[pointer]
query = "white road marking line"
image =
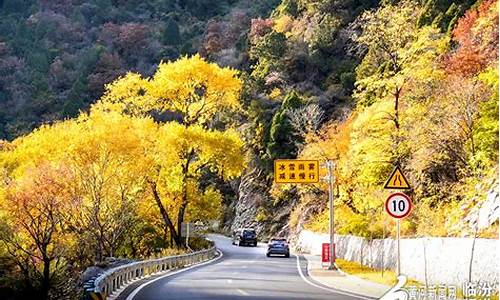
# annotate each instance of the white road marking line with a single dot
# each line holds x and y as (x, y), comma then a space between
(134, 292)
(243, 292)
(324, 288)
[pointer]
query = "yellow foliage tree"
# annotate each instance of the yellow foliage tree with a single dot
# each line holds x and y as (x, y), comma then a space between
(195, 91)
(182, 155)
(38, 212)
(105, 152)
(190, 87)
(398, 51)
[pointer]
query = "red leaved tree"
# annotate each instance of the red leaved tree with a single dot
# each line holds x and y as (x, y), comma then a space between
(477, 37)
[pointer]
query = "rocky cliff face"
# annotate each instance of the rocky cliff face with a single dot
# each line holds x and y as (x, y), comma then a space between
(249, 196)
(484, 210)
(256, 208)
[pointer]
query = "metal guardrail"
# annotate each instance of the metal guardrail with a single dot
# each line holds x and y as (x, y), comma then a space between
(113, 279)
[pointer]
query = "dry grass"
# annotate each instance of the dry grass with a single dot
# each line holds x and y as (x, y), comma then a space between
(386, 277)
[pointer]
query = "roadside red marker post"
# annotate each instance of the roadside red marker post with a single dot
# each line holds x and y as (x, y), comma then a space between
(326, 254)
(398, 206)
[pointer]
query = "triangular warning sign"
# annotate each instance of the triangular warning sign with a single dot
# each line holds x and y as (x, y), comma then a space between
(397, 180)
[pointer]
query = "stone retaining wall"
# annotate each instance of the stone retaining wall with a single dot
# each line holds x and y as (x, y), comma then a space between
(442, 260)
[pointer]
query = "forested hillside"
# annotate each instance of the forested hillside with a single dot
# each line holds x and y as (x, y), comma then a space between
(372, 85)
(428, 101)
(56, 56)
(120, 120)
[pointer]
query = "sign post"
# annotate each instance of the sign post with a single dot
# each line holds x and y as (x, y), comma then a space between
(329, 164)
(398, 206)
(307, 171)
(326, 254)
(187, 235)
(398, 229)
(189, 229)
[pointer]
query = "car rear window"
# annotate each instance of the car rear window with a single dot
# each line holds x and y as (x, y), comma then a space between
(248, 231)
(278, 241)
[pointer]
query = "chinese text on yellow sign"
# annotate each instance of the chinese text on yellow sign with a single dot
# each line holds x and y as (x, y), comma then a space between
(296, 171)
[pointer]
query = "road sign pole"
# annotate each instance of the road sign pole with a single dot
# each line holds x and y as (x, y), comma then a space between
(329, 164)
(187, 235)
(398, 206)
(399, 253)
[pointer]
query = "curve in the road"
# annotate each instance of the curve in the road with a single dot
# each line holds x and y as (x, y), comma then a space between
(321, 286)
(138, 289)
(240, 273)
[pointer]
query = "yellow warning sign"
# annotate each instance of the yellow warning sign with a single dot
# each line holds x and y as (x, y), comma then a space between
(296, 171)
(397, 180)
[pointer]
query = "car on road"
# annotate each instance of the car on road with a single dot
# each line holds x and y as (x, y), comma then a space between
(245, 236)
(278, 246)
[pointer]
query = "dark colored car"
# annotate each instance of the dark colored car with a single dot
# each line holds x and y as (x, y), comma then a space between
(246, 236)
(278, 246)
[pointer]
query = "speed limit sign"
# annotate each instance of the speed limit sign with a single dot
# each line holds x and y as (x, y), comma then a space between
(398, 205)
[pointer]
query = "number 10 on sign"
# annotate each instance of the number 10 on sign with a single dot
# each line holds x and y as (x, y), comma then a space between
(398, 205)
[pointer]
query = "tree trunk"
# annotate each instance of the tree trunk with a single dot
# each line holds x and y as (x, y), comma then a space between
(45, 285)
(397, 94)
(396, 107)
(184, 203)
(168, 222)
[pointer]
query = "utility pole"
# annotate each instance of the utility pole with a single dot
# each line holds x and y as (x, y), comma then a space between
(329, 165)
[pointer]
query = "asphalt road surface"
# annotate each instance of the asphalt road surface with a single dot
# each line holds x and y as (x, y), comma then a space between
(241, 273)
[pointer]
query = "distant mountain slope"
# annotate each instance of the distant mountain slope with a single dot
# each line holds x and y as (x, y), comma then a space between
(56, 56)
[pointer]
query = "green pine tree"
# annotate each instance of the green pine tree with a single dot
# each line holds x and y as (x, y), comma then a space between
(171, 34)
